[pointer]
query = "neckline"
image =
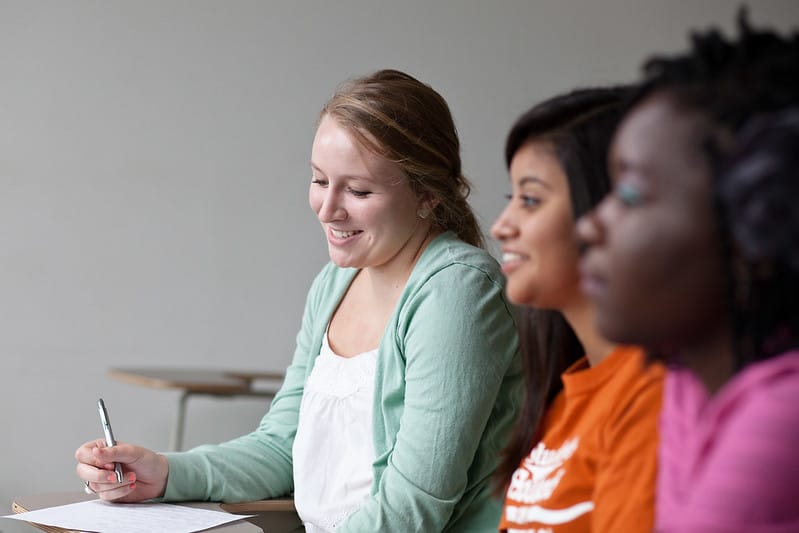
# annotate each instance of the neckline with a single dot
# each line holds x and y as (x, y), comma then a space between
(326, 348)
(581, 378)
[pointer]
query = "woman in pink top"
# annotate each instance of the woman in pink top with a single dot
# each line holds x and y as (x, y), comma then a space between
(695, 255)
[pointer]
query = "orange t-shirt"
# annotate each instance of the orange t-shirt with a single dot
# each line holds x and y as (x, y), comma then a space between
(595, 467)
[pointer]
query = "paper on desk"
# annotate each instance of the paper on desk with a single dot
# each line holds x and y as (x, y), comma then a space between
(101, 516)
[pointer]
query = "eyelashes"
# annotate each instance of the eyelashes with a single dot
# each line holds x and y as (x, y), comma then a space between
(356, 193)
(526, 200)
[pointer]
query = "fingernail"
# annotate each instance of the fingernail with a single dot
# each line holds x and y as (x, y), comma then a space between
(111, 477)
(132, 486)
(132, 477)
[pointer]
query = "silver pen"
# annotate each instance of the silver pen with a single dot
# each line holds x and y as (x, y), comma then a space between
(109, 436)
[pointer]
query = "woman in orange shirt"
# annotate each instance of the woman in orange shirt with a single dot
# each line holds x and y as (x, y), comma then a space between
(583, 453)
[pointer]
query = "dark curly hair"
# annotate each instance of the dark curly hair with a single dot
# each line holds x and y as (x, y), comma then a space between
(736, 84)
(758, 189)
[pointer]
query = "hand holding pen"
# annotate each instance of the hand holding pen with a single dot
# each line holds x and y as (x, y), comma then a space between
(109, 436)
(145, 472)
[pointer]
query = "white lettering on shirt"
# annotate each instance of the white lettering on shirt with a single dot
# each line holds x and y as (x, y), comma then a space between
(535, 480)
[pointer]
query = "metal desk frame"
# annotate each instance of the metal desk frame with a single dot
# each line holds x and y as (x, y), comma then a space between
(198, 382)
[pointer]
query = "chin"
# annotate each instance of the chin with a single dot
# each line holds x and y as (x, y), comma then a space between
(349, 263)
(344, 264)
(341, 262)
(616, 329)
(519, 296)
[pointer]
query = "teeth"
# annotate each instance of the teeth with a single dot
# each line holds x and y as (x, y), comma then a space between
(342, 234)
(507, 257)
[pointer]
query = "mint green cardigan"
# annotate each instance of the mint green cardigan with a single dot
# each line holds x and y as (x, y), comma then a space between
(447, 391)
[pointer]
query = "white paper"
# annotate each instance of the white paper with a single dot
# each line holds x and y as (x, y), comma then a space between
(101, 516)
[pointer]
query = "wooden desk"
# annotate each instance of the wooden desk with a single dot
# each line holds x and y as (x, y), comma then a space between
(278, 505)
(273, 516)
(194, 382)
(40, 501)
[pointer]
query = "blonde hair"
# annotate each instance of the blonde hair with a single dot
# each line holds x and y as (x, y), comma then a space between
(407, 122)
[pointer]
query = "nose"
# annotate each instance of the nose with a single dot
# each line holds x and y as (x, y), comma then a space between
(503, 227)
(590, 227)
(331, 208)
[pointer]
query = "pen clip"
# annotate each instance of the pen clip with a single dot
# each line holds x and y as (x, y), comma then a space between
(106, 423)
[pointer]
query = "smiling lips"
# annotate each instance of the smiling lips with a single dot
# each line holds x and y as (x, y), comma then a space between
(591, 284)
(510, 260)
(509, 257)
(343, 234)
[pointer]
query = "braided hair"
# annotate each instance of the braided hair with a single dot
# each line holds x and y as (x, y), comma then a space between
(757, 187)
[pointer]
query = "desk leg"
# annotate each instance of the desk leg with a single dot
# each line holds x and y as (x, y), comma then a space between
(180, 422)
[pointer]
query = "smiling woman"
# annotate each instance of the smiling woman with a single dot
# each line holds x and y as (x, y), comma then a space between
(583, 454)
(406, 376)
(365, 204)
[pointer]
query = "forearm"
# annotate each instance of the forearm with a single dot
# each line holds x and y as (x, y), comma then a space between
(251, 467)
(248, 468)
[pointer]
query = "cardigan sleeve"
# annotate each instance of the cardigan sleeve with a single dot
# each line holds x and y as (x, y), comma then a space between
(258, 465)
(458, 339)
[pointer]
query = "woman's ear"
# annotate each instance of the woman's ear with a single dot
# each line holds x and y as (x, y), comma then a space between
(427, 206)
(430, 203)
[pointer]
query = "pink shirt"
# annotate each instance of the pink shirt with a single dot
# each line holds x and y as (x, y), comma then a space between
(730, 462)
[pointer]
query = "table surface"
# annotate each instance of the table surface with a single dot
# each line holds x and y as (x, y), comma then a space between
(199, 380)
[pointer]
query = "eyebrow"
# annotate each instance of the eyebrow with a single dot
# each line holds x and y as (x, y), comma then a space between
(619, 164)
(316, 168)
(367, 178)
(533, 179)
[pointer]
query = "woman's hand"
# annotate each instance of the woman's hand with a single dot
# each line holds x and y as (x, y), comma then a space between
(145, 472)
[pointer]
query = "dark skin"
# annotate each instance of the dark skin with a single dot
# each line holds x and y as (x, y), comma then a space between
(654, 264)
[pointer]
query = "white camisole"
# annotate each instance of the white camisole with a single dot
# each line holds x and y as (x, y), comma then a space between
(333, 451)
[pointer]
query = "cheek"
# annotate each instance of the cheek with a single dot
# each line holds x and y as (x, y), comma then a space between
(560, 276)
(558, 251)
(649, 266)
(395, 216)
(550, 277)
(665, 286)
(371, 214)
(631, 271)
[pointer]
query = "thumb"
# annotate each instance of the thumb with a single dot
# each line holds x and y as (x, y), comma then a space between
(120, 453)
(104, 453)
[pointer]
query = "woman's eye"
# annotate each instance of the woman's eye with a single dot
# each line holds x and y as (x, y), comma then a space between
(360, 194)
(530, 201)
(526, 201)
(319, 181)
(629, 195)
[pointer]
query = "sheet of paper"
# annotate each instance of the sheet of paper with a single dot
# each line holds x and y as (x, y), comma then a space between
(100, 516)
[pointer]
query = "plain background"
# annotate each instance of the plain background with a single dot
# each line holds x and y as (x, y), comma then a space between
(154, 173)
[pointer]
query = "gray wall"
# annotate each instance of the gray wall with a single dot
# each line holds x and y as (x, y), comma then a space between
(154, 169)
